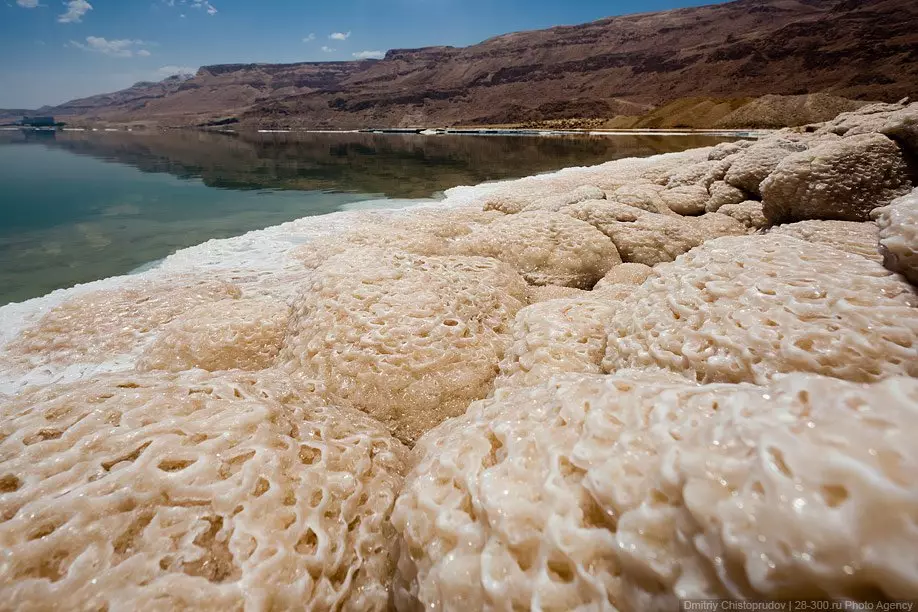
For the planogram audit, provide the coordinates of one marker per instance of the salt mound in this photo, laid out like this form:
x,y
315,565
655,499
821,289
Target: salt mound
x,y
646,196
648,238
193,492
625,274
841,179
753,165
745,309
686,200
547,248
849,236
96,325
898,224
241,334
623,492
532,196
411,340
749,213
553,292
565,335
556,202
724,194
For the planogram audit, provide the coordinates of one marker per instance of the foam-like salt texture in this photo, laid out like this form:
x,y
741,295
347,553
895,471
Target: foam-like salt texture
x,y
554,337
193,491
409,339
244,334
547,248
744,309
849,236
631,491
544,293
898,225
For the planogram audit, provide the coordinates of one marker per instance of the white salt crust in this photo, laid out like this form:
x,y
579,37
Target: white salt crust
x,y
194,491
629,492
898,225
409,339
849,236
747,308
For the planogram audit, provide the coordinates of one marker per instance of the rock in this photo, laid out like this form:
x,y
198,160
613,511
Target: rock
x,y
746,309
898,225
842,180
686,200
546,248
408,339
723,193
752,166
848,236
749,213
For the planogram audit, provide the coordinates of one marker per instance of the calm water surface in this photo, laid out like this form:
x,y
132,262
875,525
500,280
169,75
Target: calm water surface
x,y
80,206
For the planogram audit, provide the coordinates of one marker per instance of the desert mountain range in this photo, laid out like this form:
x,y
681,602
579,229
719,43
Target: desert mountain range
x,y
707,66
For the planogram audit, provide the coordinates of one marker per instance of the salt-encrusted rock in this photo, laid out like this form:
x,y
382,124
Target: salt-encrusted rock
x,y
625,274
556,202
896,121
565,335
898,225
702,173
193,492
726,149
409,339
648,238
686,200
849,236
646,196
722,194
244,334
544,293
630,492
547,248
752,166
101,324
549,197
746,309
843,179
421,232
749,213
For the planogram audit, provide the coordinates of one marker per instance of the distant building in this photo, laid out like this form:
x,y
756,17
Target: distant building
x,y
38,121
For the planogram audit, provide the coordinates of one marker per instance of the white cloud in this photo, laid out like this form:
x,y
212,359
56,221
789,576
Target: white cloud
x,y
75,11
204,5
369,55
310,38
340,36
27,3
168,71
327,49
114,48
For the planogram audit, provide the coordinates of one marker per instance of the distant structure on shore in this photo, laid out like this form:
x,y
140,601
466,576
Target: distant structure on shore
x,y
38,122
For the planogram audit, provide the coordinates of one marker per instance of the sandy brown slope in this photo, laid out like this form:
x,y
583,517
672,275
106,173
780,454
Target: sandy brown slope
x,y
862,49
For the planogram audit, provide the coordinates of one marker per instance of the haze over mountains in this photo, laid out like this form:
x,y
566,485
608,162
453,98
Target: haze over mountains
x,y
621,66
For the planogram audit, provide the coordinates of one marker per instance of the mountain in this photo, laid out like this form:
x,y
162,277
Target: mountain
x,y
628,65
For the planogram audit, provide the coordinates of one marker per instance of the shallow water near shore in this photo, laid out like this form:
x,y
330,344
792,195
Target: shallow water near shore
x,y
81,206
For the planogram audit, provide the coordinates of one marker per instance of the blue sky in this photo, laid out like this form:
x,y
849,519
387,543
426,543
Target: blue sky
x,y
55,50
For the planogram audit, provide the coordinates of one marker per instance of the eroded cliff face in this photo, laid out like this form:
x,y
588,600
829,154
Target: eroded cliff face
x,y
617,66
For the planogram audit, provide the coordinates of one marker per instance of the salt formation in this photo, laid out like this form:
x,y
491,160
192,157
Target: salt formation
x,y
749,213
898,225
687,200
565,335
96,325
411,340
193,492
649,238
748,169
547,248
724,194
745,309
552,198
625,274
646,196
897,121
553,292
849,236
627,493
841,179
243,334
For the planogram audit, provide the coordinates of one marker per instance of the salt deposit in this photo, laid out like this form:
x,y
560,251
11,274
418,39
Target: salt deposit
x,y
722,415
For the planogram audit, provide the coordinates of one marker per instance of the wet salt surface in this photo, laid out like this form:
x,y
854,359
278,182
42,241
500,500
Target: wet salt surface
x,y
81,206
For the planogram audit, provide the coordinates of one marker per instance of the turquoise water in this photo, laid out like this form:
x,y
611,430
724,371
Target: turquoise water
x,y
80,206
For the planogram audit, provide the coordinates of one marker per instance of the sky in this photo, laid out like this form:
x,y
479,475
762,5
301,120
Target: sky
x,y
52,51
